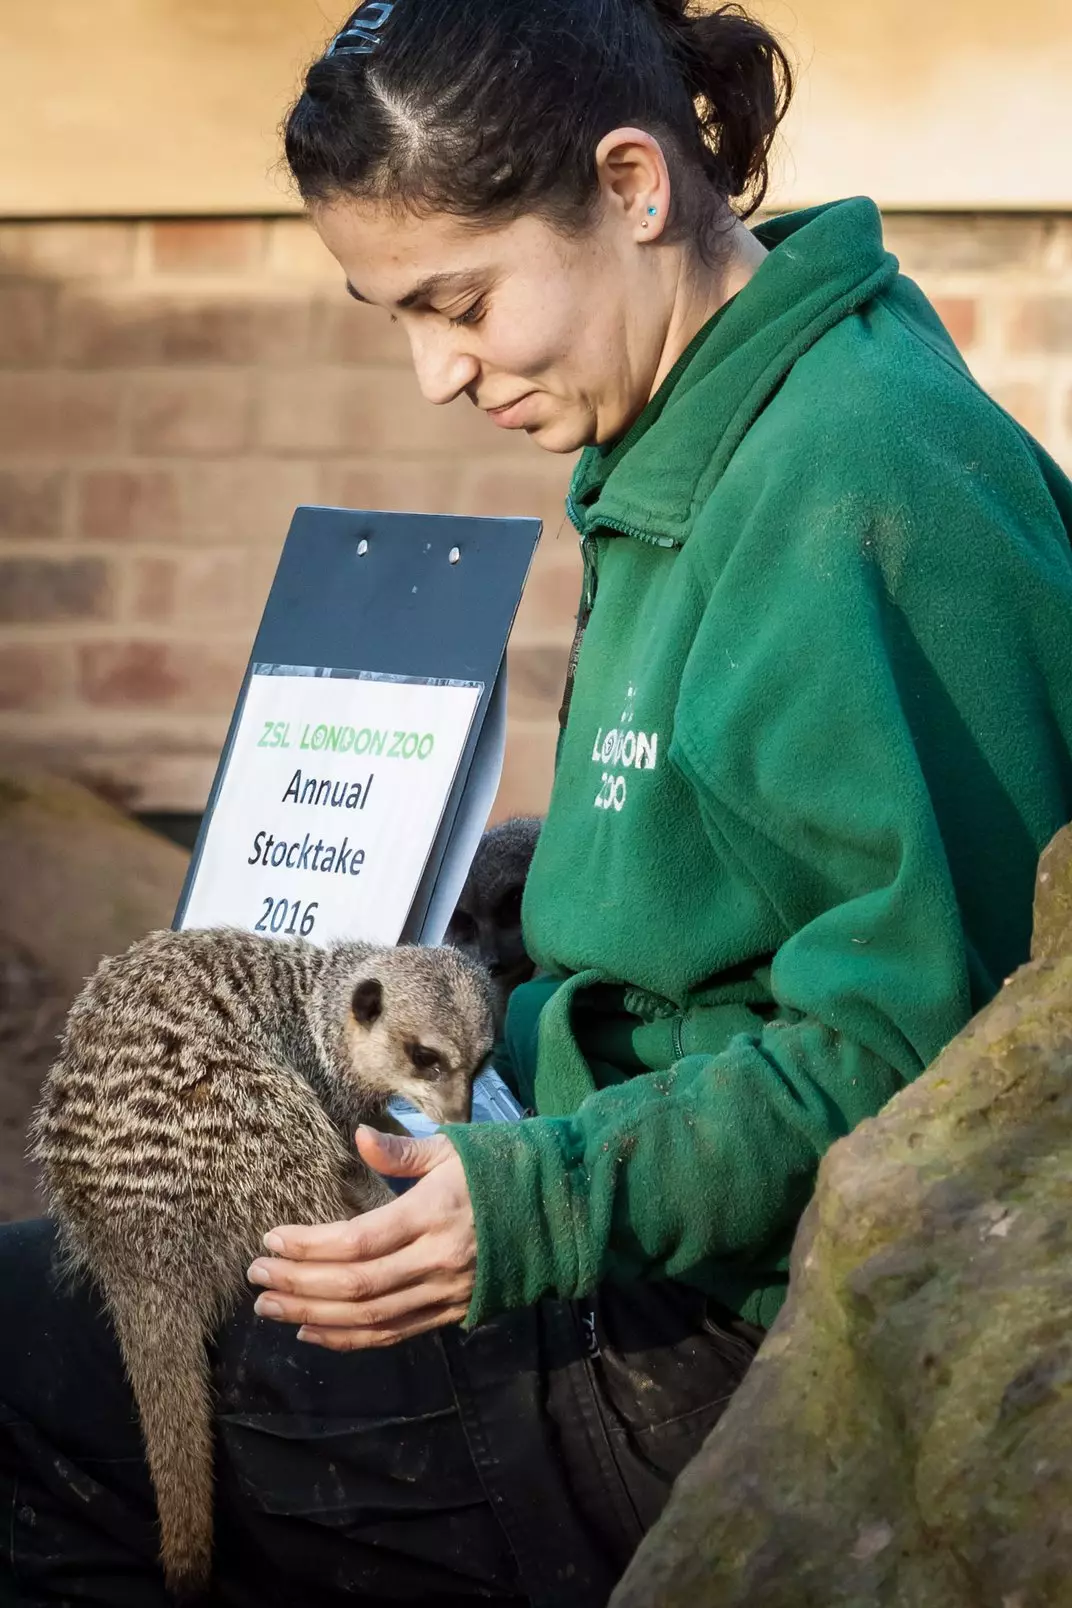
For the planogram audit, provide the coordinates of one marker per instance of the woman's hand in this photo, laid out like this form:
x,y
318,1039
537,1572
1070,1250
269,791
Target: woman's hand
x,y
391,1273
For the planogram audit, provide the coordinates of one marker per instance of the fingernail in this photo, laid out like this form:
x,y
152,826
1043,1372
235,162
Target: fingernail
x,y
265,1307
274,1243
259,1274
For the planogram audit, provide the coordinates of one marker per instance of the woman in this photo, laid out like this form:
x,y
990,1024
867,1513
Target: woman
x,y
817,734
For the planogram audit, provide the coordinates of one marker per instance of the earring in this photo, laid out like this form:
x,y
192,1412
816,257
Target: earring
x,y
652,213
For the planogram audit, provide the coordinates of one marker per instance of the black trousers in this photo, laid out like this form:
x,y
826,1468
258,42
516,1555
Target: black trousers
x,y
520,1463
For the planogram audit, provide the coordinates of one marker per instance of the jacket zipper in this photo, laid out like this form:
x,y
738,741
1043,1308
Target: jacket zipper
x,y
588,590
618,525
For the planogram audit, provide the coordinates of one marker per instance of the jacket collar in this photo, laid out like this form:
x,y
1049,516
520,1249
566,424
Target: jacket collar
x,y
823,264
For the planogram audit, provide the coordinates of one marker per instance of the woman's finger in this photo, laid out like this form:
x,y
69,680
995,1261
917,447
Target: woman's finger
x,y
389,1335
401,1155
342,1281
376,1233
354,1282
387,1311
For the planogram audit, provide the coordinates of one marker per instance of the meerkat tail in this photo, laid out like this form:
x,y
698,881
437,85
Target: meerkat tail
x,y
162,1336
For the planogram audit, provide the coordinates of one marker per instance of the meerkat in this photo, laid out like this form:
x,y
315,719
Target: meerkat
x,y
207,1089
486,924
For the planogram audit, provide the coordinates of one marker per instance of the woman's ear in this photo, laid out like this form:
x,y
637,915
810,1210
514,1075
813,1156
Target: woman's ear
x,y
367,1003
635,181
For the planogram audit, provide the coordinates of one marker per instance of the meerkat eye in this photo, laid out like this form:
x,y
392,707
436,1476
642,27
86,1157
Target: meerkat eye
x,y
509,911
425,1060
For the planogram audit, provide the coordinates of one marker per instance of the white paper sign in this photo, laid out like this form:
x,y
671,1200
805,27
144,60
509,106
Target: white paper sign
x,y
334,791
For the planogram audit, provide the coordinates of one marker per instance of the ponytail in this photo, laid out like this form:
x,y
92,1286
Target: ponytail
x,y
741,81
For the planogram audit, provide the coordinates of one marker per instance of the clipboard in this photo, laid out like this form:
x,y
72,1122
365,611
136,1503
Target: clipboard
x,y
391,608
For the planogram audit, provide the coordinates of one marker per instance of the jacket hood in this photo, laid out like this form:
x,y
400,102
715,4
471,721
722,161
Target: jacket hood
x,y
823,264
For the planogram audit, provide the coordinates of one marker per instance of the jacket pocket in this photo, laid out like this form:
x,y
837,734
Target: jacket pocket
x,y
738,1340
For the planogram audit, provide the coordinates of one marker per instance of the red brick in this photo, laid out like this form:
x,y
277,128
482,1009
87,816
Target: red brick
x,y
127,505
383,410
960,315
137,330
27,321
99,329
236,331
210,587
46,589
1043,324
34,677
536,678
60,414
528,770
298,255
549,605
243,499
306,412
90,249
536,490
196,676
415,485
189,414
31,502
1025,401
954,242
152,589
346,332
371,410
207,244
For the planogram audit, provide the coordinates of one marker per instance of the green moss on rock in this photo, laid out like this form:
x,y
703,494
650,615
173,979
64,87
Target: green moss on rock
x,y
904,1439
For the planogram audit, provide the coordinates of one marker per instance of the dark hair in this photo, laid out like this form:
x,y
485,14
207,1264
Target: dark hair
x,y
489,109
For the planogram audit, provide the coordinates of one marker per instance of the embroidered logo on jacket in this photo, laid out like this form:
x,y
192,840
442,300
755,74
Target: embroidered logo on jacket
x,y
619,749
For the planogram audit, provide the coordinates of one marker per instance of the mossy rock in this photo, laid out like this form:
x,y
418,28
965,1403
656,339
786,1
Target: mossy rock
x,y
81,879
1053,899
904,1438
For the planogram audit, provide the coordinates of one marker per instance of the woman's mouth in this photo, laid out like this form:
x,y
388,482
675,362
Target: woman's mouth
x,y
511,416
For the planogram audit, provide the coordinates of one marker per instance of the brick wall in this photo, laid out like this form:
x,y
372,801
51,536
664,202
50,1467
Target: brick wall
x,y
170,391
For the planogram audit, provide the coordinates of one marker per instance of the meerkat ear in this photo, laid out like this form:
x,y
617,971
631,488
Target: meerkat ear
x,y
367,1003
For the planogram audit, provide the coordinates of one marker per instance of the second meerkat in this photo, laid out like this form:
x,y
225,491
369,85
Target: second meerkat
x,y
486,924
207,1088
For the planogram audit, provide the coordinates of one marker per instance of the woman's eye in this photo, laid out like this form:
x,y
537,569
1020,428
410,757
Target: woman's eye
x,y
472,315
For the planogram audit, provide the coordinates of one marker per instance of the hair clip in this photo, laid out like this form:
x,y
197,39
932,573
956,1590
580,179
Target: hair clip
x,y
359,36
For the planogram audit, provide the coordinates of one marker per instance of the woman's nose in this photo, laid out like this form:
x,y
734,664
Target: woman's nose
x,y
444,370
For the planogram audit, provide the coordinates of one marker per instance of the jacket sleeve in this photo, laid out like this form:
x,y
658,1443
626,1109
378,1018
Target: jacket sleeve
x,y
798,728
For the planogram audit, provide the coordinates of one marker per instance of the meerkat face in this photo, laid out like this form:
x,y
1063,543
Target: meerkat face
x,y
489,931
419,1025
486,925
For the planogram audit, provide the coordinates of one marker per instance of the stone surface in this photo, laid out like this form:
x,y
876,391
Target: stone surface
x,y
32,1011
904,1439
80,880
1053,900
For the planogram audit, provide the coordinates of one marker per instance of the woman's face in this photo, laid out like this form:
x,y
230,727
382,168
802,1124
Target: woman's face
x,y
560,337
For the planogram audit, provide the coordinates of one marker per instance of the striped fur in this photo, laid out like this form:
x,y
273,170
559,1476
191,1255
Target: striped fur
x,y
207,1089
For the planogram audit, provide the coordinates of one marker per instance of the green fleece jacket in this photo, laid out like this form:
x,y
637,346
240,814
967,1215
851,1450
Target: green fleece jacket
x,y
819,733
